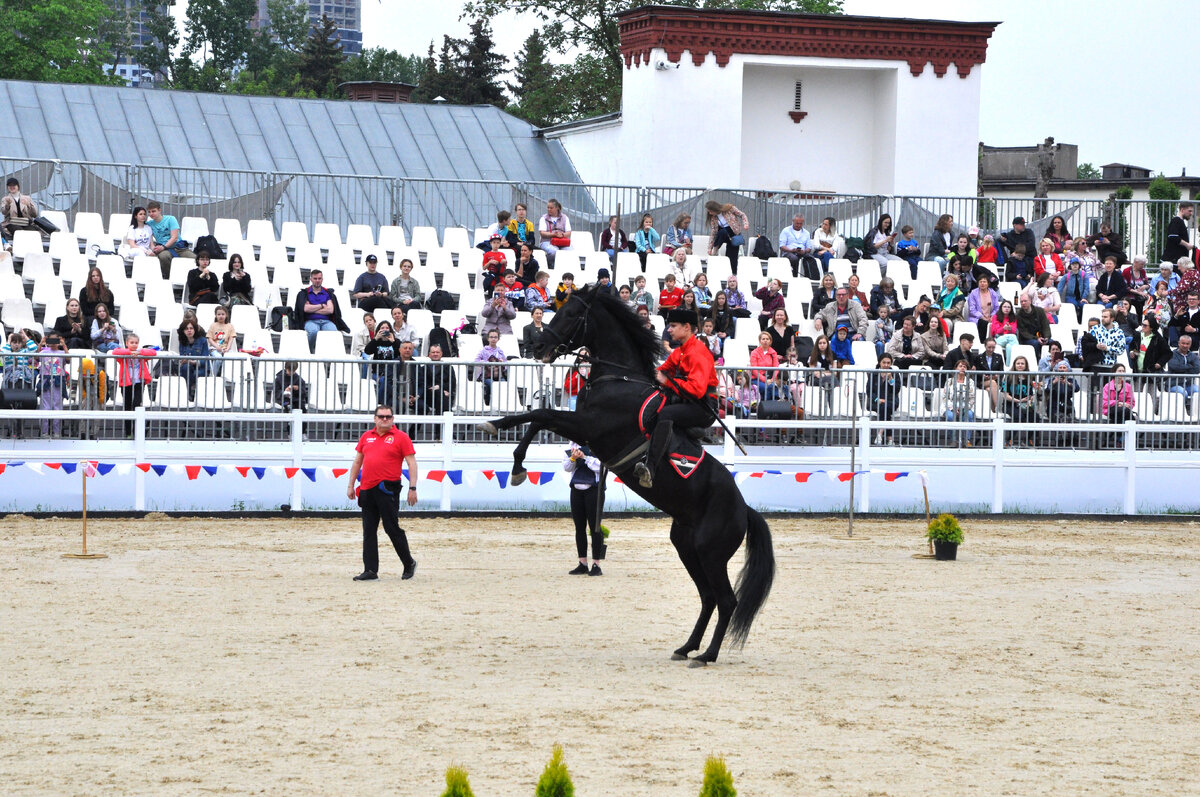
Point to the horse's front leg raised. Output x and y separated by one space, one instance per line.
560 422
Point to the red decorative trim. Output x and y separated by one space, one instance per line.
797 116
723 33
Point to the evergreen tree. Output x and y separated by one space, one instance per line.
537 99
477 68
388 66
155 55
321 59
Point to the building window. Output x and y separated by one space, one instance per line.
799 95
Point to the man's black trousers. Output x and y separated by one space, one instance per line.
378 504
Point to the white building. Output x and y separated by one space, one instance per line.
800 102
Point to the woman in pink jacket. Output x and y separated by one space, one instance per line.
762 358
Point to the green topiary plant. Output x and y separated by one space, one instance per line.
718 782
555 780
945 527
457 784
604 530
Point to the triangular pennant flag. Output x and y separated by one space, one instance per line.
311 473
144 467
617 480
124 470
104 468
924 479
490 474
803 477
891 477
456 476
243 469
469 476
535 476
57 465
193 471
339 472
159 469
435 475
16 463
756 475
176 469
67 467
3 467
547 476
259 472
741 477
774 472
404 473
290 472
34 466
502 477
211 470
845 477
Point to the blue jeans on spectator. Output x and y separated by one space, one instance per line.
107 346
315 325
1186 390
962 435
767 391
825 256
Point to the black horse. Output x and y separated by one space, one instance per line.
709 516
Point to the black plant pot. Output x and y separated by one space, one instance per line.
945 551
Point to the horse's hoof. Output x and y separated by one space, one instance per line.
517 478
488 428
677 656
694 663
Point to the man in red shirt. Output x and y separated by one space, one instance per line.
670 297
380 454
689 378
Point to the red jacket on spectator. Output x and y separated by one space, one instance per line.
669 299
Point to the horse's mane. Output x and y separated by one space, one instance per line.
646 345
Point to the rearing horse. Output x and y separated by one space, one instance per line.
709 515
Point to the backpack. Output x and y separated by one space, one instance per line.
208 243
810 267
762 248
442 337
439 301
280 319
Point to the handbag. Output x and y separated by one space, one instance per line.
738 240
45 225
561 243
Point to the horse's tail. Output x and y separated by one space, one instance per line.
754 582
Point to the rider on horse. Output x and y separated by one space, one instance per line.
690 379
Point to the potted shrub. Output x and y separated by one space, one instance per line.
947 535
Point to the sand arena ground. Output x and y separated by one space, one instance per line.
213 656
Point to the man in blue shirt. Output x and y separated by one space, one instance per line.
317 308
166 237
795 243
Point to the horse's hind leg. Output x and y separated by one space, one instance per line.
714 564
684 543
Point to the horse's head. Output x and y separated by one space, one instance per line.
567 330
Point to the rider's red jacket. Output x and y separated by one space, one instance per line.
692 367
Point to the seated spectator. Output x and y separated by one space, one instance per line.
883 397
640 296
106 332
193 354
936 344
1110 285
942 240
981 305
94 292
670 297
1019 235
1057 234
565 288
1110 339
236 283
703 295
202 285
1043 294
885 327
18 210
962 352
73 327
1019 396
987 253
520 231
1060 394
735 298
165 229
958 400
771 296
646 240
782 333
289 391
1150 351
793 374
1187 316
708 336
764 360
1075 287
493 371
1054 355
500 225
841 310
52 385
1003 329
795 243
961 261
401 328
555 231
1019 268
679 267
746 396
826 292
405 292
384 352
689 302
614 240
950 299
575 380
1137 282
884 293
20 371
370 291
1106 243
316 309
1033 327
990 362
1117 402
856 295
358 343
840 345
133 373
1160 307
604 282
829 244
537 297
880 242
222 337
721 314
497 315
679 235
138 238
1184 362
822 364
906 347
513 289
534 333
1089 264
495 263
1166 275
909 249
436 385
526 266
921 312
725 225
1087 350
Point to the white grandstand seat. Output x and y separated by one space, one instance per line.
272 253
779 268
567 261
439 261
63 244
260 232
456 281
736 353
293 343
170 392
1063 333
59 219
454 239
700 245
90 225
118 223
146 269
869 273
746 330
841 269
469 346
801 290
180 267
308 256
1026 351
360 237
1092 310
658 262
406 253
326 235
424 239
206 314
471 260
258 338
582 241
628 265
245 318
591 263
36 266
421 321
864 354
124 293
718 269
361 396
293 233
287 274
929 277
392 238
324 395
211 395
112 267
481 234
48 292
191 228
341 258
158 293
331 345
27 242
228 232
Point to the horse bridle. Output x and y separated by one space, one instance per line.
563 340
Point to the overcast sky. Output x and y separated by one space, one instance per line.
1108 75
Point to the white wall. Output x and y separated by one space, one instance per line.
937 140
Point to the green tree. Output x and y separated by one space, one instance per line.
1086 171
219 30
457 783
474 68
321 59
288 23
159 25
535 97
555 780
55 40
1161 212
115 31
718 782
387 66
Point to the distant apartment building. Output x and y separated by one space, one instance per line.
126 66
346 14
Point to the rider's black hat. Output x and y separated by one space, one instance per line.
683 317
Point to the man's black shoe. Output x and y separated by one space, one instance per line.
595 571
580 570
366 575
409 571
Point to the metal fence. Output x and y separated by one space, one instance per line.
115 188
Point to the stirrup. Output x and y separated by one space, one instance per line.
645 477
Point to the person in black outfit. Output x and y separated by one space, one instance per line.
883 393
1187 318
73 326
377 467
202 284
585 507
1108 243
963 352
1019 234
236 283
1178 243
370 290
